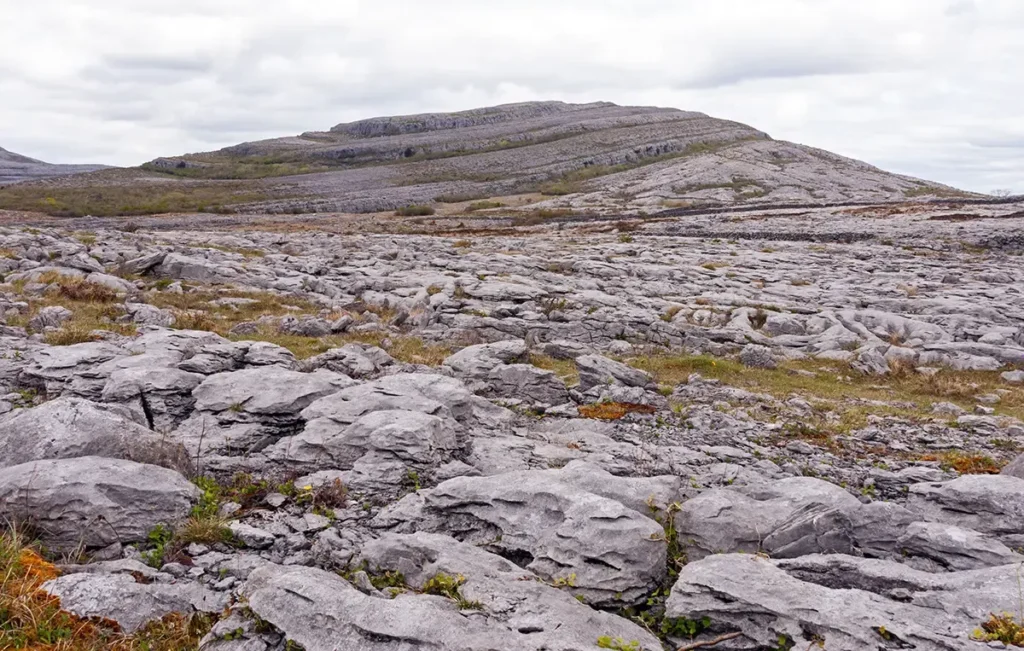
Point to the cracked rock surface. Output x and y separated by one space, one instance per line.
770 427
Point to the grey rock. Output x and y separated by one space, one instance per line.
478 361
50 317
527 383
143 264
163 395
728 520
270 390
988 504
92 501
756 356
524 609
1013 377
71 427
554 528
947 547
765 602
250 536
145 314
1015 468
119 597
354 360
598 371
322 612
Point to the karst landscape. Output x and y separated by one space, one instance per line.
539 376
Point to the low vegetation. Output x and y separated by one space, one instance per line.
415 211
613 410
1005 628
32 619
129 198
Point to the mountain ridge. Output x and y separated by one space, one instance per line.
531 156
15 168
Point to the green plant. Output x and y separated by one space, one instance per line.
617 644
157 540
551 304
625 238
1005 628
412 480
447 585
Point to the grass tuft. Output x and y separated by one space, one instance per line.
32 619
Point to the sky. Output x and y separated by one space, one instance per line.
931 88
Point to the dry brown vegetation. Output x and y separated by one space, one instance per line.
128 198
32 619
837 382
613 410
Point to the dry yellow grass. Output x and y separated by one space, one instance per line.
565 369
837 382
31 619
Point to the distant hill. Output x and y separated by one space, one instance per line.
15 168
596 157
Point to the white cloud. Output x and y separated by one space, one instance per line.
924 87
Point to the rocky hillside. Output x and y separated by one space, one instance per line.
539 156
746 431
587 157
15 168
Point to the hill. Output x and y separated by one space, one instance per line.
596 157
15 168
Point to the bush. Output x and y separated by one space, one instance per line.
415 211
484 205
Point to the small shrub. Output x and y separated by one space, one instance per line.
78 289
70 335
446 585
484 205
671 313
966 463
625 238
758 320
415 211
193 320
1003 628
462 244
551 304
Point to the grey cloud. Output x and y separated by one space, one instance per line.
923 87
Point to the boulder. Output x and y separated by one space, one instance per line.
730 520
478 361
270 390
359 361
988 504
549 527
770 605
525 610
162 396
49 317
130 603
756 356
933 546
93 502
69 427
598 371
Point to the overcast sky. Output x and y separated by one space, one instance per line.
933 88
